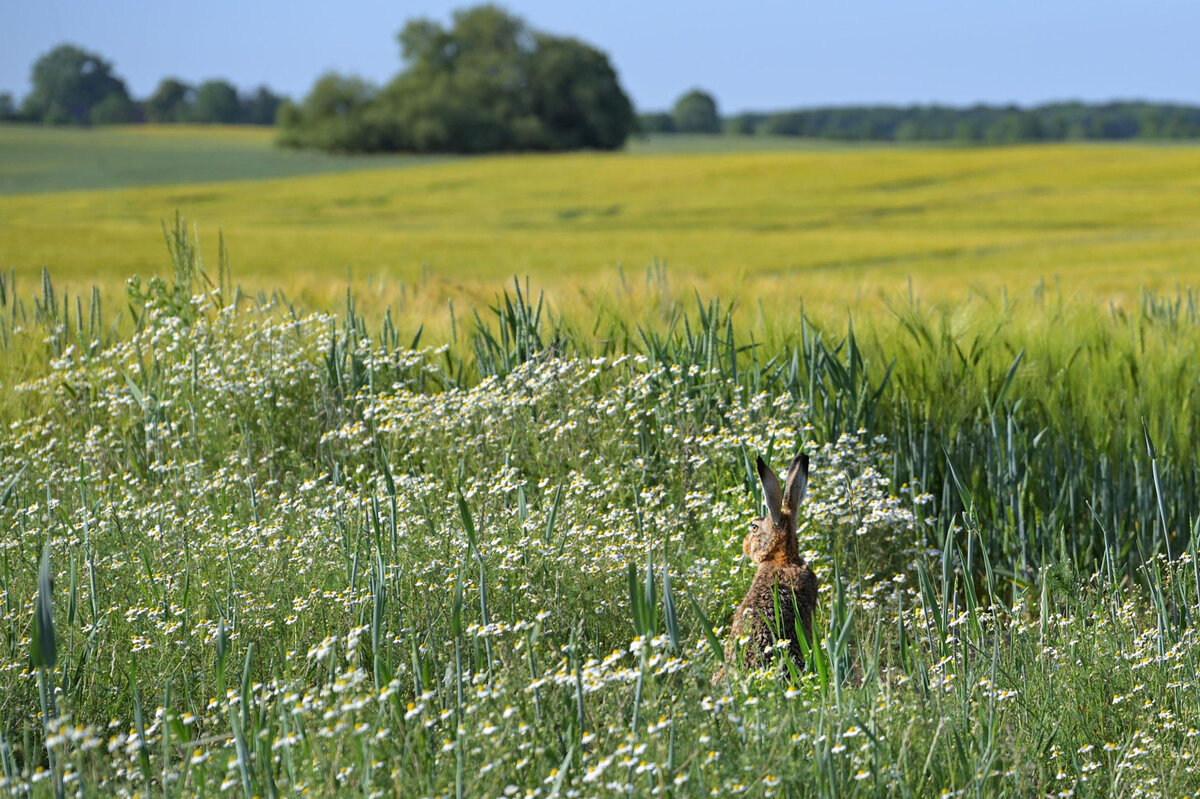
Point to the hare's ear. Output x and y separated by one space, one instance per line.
771 492
797 484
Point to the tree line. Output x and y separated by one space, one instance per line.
696 112
488 82
73 86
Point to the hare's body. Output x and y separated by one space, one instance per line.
795 586
781 599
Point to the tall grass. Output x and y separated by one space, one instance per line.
299 552
1071 428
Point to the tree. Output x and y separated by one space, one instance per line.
115 109
486 83
575 94
8 108
68 82
656 122
465 89
216 101
332 117
696 112
261 107
743 124
171 102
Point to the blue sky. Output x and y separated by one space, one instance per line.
753 54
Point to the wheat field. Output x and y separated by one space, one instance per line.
829 227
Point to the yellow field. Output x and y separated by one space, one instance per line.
207 133
832 227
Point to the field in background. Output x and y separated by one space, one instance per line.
34 158
829 227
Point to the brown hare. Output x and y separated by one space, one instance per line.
783 580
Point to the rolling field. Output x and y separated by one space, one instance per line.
833 227
289 544
34 158
40 159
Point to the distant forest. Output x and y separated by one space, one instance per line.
985 124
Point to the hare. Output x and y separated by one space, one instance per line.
783 579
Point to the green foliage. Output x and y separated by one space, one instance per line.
743 124
170 102
74 86
213 102
261 107
486 84
334 117
216 101
696 112
189 279
465 88
983 124
69 82
575 95
43 650
656 122
115 109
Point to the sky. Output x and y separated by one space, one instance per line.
752 54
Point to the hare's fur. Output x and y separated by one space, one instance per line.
783 580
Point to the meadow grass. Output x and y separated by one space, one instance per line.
254 548
36 158
835 228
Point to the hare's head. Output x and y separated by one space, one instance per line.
773 537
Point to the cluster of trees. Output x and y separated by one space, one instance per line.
696 112
213 101
72 86
487 83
